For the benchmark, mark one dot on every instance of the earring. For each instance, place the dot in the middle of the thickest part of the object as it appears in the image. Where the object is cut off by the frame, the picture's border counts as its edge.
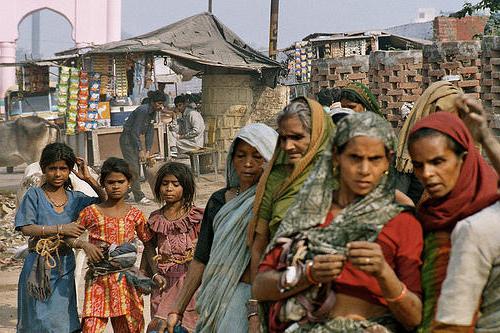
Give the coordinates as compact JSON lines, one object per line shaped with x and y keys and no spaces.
{"x":386,"y":172}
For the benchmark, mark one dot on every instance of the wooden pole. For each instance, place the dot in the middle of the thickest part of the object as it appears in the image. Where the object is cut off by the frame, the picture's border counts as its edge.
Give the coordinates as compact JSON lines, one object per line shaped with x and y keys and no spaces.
{"x":273,"y":29}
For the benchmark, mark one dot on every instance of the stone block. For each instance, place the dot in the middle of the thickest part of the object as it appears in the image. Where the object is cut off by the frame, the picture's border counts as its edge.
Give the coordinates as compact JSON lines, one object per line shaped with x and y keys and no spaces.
{"x":409,"y":98}
{"x":356,"y":76}
{"x":408,"y":85}
{"x":468,"y":70}
{"x":469,"y":83}
{"x":343,"y":70}
{"x":397,"y":92}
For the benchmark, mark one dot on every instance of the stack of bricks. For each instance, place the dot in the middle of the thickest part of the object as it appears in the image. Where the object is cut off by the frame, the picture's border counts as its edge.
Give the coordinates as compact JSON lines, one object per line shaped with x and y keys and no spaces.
{"x":458,"y":62}
{"x":490,"y":80}
{"x":225,"y":101}
{"x":395,"y":78}
{"x":339,"y":72}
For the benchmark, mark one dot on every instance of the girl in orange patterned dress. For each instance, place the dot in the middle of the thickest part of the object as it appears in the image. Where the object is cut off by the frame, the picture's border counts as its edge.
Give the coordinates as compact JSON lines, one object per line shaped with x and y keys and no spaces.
{"x":113,"y":227}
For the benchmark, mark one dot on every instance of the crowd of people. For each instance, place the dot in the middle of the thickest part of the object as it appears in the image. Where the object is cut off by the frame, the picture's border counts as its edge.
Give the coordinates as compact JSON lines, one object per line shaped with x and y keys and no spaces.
{"x":327,"y":224}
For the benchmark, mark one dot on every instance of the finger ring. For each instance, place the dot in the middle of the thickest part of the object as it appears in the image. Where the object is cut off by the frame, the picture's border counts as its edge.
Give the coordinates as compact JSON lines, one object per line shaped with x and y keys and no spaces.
{"x":367,"y":260}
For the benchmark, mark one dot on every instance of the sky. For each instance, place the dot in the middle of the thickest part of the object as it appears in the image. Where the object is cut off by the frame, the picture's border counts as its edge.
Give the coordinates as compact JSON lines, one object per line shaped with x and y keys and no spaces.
{"x":247,"y":18}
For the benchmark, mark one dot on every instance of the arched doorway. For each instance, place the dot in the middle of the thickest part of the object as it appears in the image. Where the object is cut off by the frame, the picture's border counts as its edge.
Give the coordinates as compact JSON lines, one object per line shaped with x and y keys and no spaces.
{"x":93,"y":21}
{"x":43,"y":33}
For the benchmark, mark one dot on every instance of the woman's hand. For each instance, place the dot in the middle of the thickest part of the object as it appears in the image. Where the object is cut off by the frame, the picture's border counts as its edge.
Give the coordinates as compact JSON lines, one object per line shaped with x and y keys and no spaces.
{"x":327,"y":267}
{"x":367,"y":256}
{"x":172,"y":320}
{"x":71,"y":229}
{"x":83,"y":171}
{"x":160,"y":281}
{"x":474,"y":117}
{"x":93,"y":252}
{"x":254,"y":324}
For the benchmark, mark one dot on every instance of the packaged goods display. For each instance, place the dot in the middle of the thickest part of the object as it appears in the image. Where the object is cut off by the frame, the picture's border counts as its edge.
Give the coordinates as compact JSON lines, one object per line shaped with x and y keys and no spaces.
{"x":121,"y":82}
{"x":72,"y":109}
{"x":103,"y":65}
{"x":83,"y":104}
{"x":62,"y":91}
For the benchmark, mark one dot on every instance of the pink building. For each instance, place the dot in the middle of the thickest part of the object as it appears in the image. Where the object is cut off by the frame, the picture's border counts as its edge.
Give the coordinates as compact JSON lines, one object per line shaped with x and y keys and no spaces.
{"x":92,"y":21}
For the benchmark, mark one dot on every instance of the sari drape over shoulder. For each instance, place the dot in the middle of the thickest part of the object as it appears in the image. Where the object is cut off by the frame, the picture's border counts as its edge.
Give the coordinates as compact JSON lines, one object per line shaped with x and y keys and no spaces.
{"x":362,"y":220}
{"x":222,"y":298}
{"x":279,"y":184}
{"x":440,"y":95}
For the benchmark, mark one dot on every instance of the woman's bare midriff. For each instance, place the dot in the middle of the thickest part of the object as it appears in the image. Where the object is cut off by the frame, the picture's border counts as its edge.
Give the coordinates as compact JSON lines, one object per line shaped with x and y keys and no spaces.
{"x":355,"y":308}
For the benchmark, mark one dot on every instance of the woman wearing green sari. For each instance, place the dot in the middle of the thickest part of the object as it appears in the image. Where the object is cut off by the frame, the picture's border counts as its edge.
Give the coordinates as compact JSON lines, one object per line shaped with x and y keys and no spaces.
{"x":346,"y":255}
{"x":304,"y":129}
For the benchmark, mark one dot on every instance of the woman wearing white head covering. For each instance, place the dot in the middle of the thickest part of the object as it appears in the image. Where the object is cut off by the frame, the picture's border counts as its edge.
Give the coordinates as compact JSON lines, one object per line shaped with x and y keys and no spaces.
{"x":222,"y":256}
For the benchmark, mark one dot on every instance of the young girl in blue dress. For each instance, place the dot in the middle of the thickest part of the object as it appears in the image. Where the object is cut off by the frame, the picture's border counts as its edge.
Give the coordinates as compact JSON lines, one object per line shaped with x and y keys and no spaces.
{"x":46,"y":292}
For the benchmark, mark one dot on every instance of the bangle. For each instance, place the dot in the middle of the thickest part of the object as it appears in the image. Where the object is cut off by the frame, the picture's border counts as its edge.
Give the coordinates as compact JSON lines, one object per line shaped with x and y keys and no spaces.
{"x":252,"y":308}
{"x":74,"y":243}
{"x":403,"y":293}
{"x":43,"y":230}
{"x":250,"y":315}
{"x":153,"y":277}
{"x":309,"y":275}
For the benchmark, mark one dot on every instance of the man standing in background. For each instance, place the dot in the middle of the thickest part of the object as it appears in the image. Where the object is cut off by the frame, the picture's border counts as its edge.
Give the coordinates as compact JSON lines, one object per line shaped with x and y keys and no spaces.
{"x":140,"y":122}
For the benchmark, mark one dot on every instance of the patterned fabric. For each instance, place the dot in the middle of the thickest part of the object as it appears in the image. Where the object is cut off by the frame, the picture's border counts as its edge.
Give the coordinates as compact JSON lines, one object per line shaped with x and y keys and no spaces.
{"x":176,"y":240}
{"x":229,"y":255}
{"x":344,"y":325}
{"x":440,"y":95}
{"x":133,"y":323}
{"x":361,"y":220}
{"x":110,"y":295}
{"x":360,"y":93}
{"x":279,"y":183}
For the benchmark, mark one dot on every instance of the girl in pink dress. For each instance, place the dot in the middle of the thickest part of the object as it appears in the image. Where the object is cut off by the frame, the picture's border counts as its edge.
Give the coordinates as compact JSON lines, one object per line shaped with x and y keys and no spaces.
{"x":176,"y":227}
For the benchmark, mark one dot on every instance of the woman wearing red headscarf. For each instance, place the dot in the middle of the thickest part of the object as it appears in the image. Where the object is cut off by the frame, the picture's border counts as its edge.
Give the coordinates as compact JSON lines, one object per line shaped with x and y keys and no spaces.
{"x":461,"y":221}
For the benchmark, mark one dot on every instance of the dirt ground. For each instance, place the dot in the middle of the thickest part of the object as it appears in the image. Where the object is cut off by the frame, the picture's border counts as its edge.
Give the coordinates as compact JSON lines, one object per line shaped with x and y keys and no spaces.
{"x":10,"y":268}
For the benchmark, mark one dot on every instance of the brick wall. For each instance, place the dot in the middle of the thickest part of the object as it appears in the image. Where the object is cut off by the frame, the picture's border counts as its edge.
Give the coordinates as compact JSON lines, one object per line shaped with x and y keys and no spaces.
{"x":267,"y":102}
{"x":338,"y":72}
{"x":460,"y":59}
{"x":395,"y":78}
{"x":447,"y":29}
{"x":231,"y":101}
{"x":490,"y":80}
{"x":226,"y":98}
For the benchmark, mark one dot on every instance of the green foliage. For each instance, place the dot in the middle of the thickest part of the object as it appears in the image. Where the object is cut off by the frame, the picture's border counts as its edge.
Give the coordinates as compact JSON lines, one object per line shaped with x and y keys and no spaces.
{"x":469,"y":8}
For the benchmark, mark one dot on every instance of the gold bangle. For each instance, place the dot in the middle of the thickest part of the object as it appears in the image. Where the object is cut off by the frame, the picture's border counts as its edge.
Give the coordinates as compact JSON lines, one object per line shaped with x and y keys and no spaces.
{"x":74,"y":243}
{"x":400,"y":297}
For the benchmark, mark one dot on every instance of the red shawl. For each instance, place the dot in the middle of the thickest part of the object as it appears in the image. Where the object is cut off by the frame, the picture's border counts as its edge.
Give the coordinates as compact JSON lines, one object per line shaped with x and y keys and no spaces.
{"x":477,"y":184}
{"x":476,"y":188}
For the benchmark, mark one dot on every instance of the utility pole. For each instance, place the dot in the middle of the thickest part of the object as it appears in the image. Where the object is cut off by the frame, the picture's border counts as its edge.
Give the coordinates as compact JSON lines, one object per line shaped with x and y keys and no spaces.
{"x":210,"y":6}
{"x":35,"y":35}
{"x":273,"y":29}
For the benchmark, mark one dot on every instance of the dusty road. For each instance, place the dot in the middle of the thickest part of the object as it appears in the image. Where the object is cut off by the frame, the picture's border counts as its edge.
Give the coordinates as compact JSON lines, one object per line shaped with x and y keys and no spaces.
{"x":9,"y":270}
